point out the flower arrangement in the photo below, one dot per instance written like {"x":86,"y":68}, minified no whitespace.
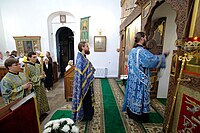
{"x":63,"y":125}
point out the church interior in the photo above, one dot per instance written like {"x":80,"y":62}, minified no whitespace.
{"x":109,"y":27}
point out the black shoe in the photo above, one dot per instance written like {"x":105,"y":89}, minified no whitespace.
{"x":145,"y":117}
{"x":86,"y":119}
{"x":43,"y":116}
{"x":133,"y":116}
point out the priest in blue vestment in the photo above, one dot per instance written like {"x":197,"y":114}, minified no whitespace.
{"x":83,"y":94}
{"x":137,"y":96}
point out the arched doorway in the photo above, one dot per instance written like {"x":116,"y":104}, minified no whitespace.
{"x":65,"y":48}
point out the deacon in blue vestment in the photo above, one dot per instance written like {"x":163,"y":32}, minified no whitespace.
{"x":137,"y":96}
{"x":83,"y":94}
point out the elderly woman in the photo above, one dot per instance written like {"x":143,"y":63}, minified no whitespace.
{"x":70,"y":64}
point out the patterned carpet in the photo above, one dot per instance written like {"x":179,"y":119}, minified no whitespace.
{"x":131,"y":126}
{"x":156,"y":115}
{"x":100,"y":123}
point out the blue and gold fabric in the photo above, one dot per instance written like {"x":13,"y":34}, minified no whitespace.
{"x":83,"y":78}
{"x":137,"y":96}
{"x":11,"y":86}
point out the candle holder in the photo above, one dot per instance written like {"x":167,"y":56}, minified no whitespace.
{"x":189,"y":46}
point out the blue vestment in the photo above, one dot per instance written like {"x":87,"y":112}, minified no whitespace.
{"x":83,"y":78}
{"x":137,"y":96}
{"x":11,"y":87}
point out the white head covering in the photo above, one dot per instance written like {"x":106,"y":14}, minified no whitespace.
{"x":45,"y":58}
{"x":70,"y":62}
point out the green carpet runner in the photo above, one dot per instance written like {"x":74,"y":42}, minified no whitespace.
{"x":61,"y":114}
{"x":112,"y":118}
{"x":154,"y":117}
{"x":162,"y":100}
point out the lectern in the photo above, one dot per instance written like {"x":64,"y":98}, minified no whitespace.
{"x":20,"y":116}
{"x":68,"y":82}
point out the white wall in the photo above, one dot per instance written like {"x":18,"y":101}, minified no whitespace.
{"x":29,"y":18}
{"x":170,"y":37}
{"x":2,"y":37}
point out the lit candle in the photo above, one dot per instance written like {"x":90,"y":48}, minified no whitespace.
{"x":41,"y":55}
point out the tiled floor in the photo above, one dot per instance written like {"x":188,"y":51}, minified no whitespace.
{"x":56,"y":100}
